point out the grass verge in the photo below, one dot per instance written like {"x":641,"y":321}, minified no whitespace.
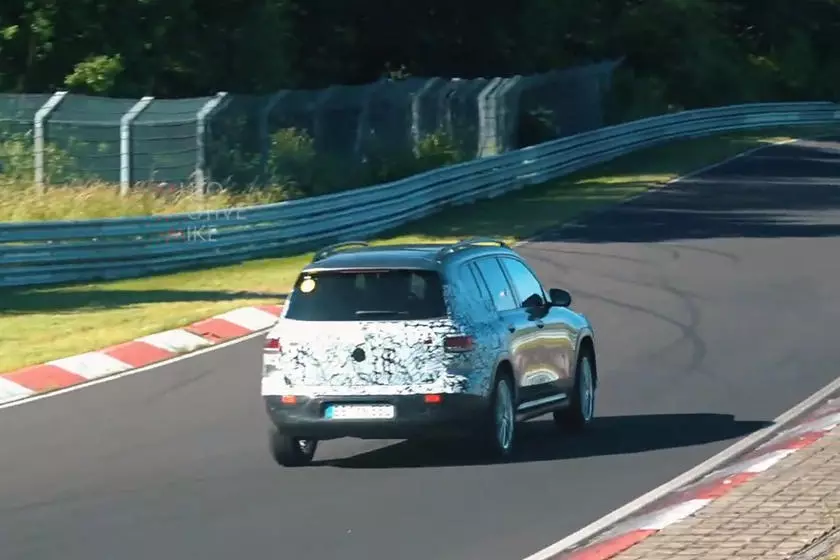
{"x":42,"y":324}
{"x":22,"y":203}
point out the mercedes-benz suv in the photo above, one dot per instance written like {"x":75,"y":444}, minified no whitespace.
{"x":403,"y":341}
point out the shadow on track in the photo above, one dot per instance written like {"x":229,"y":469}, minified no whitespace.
{"x":541,"y":440}
{"x":783,"y":191}
{"x":786,"y":191}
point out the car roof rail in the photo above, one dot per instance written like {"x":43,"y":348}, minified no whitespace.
{"x":321,"y":254}
{"x":468,"y":243}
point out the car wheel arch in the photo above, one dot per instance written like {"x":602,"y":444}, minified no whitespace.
{"x":505,"y":367}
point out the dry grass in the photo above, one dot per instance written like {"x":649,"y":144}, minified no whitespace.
{"x":41,"y":324}
{"x":21,"y":202}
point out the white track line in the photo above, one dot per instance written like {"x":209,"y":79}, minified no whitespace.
{"x":156,"y":365}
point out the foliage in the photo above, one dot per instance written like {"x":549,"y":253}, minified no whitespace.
{"x":692,"y":52}
{"x":295,"y":163}
{"x":16,"y":161}
{"x":677,"y":54}
{"x":96,"y":74}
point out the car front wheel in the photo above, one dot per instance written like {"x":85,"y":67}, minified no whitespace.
{"x":581,"y":409}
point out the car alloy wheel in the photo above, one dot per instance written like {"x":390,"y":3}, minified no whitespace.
{"x":504,"y":416}
{"x":587,"y":391}
{"x":581,"y":410}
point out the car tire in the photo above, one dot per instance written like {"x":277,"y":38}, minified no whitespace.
{"x":501,"y":428}
{"x":581,"y":410}
{"x":290,"y":451}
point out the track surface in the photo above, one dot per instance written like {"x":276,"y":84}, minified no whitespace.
{"x":716,"y":308}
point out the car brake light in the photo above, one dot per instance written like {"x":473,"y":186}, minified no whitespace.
{"x":272,"y":345}
{"x":432,"y":399}
{"x":459,"y":343}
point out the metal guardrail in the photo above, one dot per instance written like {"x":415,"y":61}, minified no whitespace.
{"x":41,"y":253}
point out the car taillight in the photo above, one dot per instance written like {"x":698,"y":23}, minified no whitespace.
{"x":459,"y":343}
{"x":272,"y":345}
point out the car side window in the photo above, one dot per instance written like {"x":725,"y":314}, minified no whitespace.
{"x":472,"y":283}
{"x":527,"y":285}
{"x":496,"y":282}
{"x":418,"y":286}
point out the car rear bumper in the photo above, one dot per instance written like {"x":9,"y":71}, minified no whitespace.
{"x":455,"y":414}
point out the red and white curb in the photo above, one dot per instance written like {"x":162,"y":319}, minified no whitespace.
{"x":690,"y":499}
{"x":143,"y":351}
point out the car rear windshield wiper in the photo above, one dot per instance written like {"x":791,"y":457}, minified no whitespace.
{"x":380,"y":312}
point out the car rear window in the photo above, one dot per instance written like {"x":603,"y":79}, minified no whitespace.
{"x":367,"y":295}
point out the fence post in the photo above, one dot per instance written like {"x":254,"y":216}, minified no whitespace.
{"x":488,"y":115}
{"x":201,"y":128}
{"x":38,"y":126}
{"x":265,"y":133}
{"x":417,"y":128}
{"x":318,"y":104}
{"x":363,"y":125}
{"x":125,"y":142}
{"x":444,"y":106}
{"x":507,"y":100}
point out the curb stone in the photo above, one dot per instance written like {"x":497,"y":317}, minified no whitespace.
{"x":619,"y":540}
{"x":140,"y":352}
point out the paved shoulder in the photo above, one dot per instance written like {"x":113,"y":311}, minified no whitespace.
{"x":775,"y":515}
{"x":772,"y":503}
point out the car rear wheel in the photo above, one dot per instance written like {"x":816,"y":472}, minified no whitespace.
{"x":501,"y":430}
{"x":290,"y":451}
{"x":581,"y":409}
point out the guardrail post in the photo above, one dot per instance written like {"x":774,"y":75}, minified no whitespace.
{"x":125,"y":142}
{"x":38,"y":126}
{"x":201,"y":128}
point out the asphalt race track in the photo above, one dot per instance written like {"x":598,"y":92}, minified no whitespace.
{"x":716,"y":303}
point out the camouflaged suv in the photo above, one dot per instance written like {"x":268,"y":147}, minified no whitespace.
{"x":403,"y":341}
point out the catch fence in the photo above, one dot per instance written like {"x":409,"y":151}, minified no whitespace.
{"x":319,"y":141}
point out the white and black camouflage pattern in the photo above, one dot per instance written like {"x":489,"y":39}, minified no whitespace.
{"x":400,"y":357}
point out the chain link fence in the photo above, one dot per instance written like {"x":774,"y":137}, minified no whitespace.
{"x":307,"y":141}
{"x":17,"y":114}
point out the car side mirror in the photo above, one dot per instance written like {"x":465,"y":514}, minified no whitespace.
{"x":534,"y":301}
{"x":560,"y":298}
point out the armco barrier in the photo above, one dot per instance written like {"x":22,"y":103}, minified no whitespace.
{"x":40,"y":253}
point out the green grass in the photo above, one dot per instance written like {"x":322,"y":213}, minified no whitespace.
{"x":42,"y":324}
